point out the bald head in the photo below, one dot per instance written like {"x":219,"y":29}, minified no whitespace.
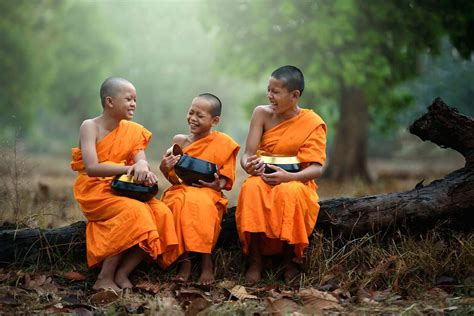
{"x":291,"y":77}
{"x":216,"y":105}
{"x":111,"y":87}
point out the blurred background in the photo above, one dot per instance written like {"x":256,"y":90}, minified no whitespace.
{"x":371,"y":68}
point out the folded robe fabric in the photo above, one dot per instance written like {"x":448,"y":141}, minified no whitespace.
{"x":286,"y":212}
{"x":116,"y":223}
{"x":198,"y":211}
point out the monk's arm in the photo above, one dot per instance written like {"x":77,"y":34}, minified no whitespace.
{"x":88,"y":136}
{"x":249,"y":161}
{"x":313,"y":171}
{"x":141,"y":169}
{"x":169,"y":160}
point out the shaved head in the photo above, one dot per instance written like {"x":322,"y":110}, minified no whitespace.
{"x":216,"y":105}
{"x":111,"y":87}
{"x":291,"y":77}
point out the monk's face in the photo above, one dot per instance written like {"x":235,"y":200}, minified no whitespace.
{"x":200,"y":119}
{"x":124,"y":103}
{"x":281,"y":100}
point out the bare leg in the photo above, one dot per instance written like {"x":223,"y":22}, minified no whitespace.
{"x":254,"y":272}
{"x":105,"y":280}
{"x":185,"y":267}
{"x":131,"y":259}
{"x":207,"y":269}
{"x":291,"y":268}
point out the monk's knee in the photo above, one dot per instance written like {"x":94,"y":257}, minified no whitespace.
{"x":251,"y":183}
{"x":292,"y":188}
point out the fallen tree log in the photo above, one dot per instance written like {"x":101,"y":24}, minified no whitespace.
{"x":447,"y":199}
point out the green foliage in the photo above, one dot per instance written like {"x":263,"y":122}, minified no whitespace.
{"x":19,"y":23}
{"x":80,"y":52}
{"x":52,"y":52}
{"x":343,"y":43}
{"x":448,"y":76}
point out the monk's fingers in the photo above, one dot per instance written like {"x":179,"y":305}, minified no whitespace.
{"x":258,"y":163}
{"x":152,"y":178}
{"x":140,"y":176}
{"x":252,"y":158}
{"x":199,"y":185}
{"x":259,"y":169}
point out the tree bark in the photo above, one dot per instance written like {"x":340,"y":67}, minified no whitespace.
{"x":348,"y":159}
{"x":449,"y":199}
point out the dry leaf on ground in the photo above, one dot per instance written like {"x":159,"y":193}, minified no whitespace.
{"x":190,"y":294}
{"x":149,"y":287}
{"x":35,"y":281}
{"x":281,"y":306}
{"x":197,"y":305}
{"x":226,"y":284}
{"x":104,"y":297}
{"x":240,"y":293}
{"x":315,"y":300}
{"x":74,"y":276}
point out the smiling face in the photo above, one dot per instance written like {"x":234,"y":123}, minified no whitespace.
{"x":281,"y":100}
{"x":200,"y":119}
{"x":124,"y":102}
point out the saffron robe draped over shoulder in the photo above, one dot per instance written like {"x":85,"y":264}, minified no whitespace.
{"x":286,"y":212}
{"x":116,"y":223}
{"x":197,"y":211}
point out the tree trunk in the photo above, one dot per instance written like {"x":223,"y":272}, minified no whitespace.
{"x":348,"y":160}
{"x":450,"y":199}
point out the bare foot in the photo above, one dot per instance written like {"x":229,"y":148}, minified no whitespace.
{"x":123,"y":281}
{"x":207,"y":269}
{"x":254,"y":272}
{"x":105,"y":284}
{"x":184,"y":271}
{"x":291,"y":273}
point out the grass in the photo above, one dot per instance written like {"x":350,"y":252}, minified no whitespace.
{"x":403,"y":268}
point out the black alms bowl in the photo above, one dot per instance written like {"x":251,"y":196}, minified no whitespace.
{"x":287,"y":163}
{"x":124,"y":186}
{"x":190,"y":170}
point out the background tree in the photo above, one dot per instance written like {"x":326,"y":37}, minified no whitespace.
{"x":353,"y":52}
{"x":54,"y":55}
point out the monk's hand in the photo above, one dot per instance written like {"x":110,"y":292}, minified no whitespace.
{"x":277,"y":177}
{"x":151,"y":179}
{"x":216,"y":184}
{"x":169,"y":161}
{"x":254,"y":165}
{"x":139,"y":170}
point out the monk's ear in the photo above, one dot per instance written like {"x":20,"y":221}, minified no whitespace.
{"x":215,"y":120}
{"x":296,"y":94}
{"x":108,"y":102}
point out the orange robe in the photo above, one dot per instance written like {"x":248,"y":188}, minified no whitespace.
{"x":198,"y":211}
{"x":286,"y":212}
{"x":116,"y":223}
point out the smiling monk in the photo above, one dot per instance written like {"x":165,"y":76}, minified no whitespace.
{"x":120,"y":231}
{"x":198,"y":208}
{"x":277,"y":209}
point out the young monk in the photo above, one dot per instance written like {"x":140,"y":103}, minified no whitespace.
{"x":276,"y":212}
{"x":120,"y":231}
{"x":198,"y":209}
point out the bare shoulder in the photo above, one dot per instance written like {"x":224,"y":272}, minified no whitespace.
{"x":180,"y":139}
{"x":262,"y":116}
{"x":261,"y":113}
{"x":262,"y":110}
{"x":89,"y":126}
